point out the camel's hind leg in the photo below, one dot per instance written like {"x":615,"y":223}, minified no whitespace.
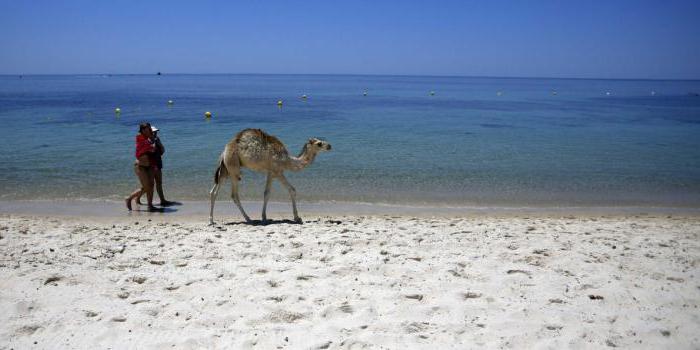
{"x":212,"y":197}
{"x":235,"y":197}
{"x":266,"y":196}
{"x":292,"y":194}
{"x":219,"y":175}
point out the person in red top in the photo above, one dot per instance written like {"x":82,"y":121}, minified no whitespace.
{"x":157,"y":162}
{"x":143,"y":166}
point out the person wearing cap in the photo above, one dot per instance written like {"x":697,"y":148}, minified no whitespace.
{"x":157,"y":164}
{"x":143,"y":166}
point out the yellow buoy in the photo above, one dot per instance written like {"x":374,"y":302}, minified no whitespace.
{"x":207,"y":115}
{"x":279,"y":102}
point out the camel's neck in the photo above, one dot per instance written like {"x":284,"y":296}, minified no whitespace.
{"x":305,"y":158}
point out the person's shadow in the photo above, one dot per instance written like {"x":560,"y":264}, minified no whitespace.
{"x":161,"y":210}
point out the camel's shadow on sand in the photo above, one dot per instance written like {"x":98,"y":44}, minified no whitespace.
{"x":264,"y":223}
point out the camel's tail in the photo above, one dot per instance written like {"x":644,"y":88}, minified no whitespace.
{"x":218,"y":172}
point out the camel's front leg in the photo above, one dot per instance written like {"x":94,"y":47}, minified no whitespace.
{"x":266,"y":195}
{"x":236,"y":198}
{"x":212,"y":196}
{"x":292,"y":194}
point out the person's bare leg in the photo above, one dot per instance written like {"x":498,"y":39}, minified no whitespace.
{"x":158,"y":177}
{"x":138,"y":198}
{"x":136,"y":194}
{"x":146,"y":177}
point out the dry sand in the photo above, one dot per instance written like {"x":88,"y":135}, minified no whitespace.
{"x":374,"y":282}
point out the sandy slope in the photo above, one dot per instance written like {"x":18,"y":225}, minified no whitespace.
{"x":351,"y":282}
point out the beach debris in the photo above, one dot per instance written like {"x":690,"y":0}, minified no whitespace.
{"x":273,"y":284}
{"x":471,"y":295}
{"x":418,"y":297}
{"x":53,"y":278}
{"x":277,"y":299}
{"x":325,"y":345}
{"x":157,"y":262}
{"x":117,"y":249}
{"x":138,"y":279}
{"x":118,"y":319}
{"x":595,"y":297}
{"x":207,"y":114}
{"x":346,"y":308}
{"x":305,"y":277}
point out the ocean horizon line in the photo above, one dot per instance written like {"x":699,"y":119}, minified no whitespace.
{"x":345,"y":74}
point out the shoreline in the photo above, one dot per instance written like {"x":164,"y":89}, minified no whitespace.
{"x":226,"y":210}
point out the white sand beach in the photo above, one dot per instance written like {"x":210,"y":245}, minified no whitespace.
{"x":350,"y":282}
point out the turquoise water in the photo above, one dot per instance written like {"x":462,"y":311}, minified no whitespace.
{"x":467,"y":144}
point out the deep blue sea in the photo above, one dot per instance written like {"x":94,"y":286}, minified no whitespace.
{"x":474,"y":142}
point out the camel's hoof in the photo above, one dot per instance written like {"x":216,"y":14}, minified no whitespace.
{"x":298,"y":220}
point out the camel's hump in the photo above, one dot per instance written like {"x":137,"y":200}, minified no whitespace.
{"x":264,"y":137}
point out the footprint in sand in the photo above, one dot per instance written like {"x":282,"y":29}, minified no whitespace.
{"x":27,"y":330}
{"x":283,"y":316}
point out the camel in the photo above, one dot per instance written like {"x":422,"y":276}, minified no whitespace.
{"x":256,"y":150}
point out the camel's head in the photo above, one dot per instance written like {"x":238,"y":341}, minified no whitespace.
{"x":319,"y":145}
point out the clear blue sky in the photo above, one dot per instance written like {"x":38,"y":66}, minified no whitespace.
{"x":588,"y":39}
